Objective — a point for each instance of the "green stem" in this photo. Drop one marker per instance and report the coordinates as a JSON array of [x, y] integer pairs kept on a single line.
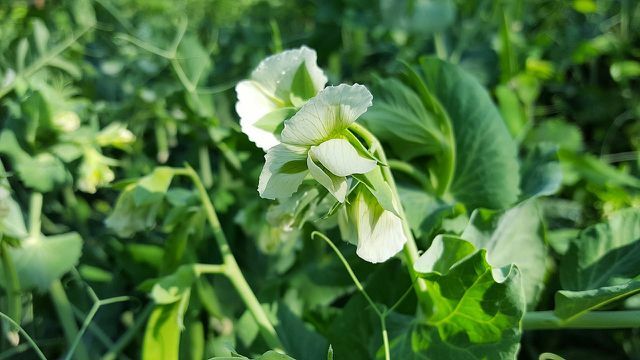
[[441, 49], [35, 213], [67, 320], [410, 248], [546, 320], [12, 283], [26, 336], [129, 335], [232, 270], [381, 315]]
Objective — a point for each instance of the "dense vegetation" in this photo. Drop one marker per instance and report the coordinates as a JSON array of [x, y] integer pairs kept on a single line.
[[486, 169]]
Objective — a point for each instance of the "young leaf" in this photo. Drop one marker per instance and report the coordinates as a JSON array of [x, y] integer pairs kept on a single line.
[[601, 265], [486, 168], [504, 234], [39, 261], [476, 308]]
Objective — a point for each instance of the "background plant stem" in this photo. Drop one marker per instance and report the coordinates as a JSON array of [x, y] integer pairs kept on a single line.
[[410, 248], [546, 320], [232, 270]]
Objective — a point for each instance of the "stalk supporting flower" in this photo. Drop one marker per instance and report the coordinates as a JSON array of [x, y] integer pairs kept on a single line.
[[277, 87]]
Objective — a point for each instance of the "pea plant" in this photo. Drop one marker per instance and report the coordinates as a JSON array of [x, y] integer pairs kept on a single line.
[[160, 201]]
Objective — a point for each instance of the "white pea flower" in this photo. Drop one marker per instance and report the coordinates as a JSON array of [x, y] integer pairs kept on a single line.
[[379, 233], [279, 85], [315, 141]]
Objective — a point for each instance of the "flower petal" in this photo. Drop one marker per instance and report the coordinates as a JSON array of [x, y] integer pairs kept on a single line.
[[338, 186], [252, 106], [380, 232], [276, 73], [328, 113], [341, 158], [283, 171]]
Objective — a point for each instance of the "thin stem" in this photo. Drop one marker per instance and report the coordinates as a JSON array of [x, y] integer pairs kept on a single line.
[[12, 283], [87, 321], [232, 270], [349, 270], [209, 269], [129, 335], [67, 320], [410, 248], [546, 320], [441, 49], [381, 315], [35, 213], [26, 336]]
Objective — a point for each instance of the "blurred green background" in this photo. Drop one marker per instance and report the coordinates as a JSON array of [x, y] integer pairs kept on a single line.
[[74, 74]]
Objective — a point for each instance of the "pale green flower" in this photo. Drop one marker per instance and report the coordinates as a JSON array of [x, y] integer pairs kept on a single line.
[[315, 141], [116, 135], [94, 171], [378, 233], [279, 85]]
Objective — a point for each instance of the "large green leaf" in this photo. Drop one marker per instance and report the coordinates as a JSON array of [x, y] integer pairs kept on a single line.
[[477, 309], [604, 253], [540, 171], [504, 234], [41, 260], [486, 167], [600, 265]]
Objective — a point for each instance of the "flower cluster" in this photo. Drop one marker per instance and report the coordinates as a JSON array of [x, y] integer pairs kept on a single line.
[[305, 130]]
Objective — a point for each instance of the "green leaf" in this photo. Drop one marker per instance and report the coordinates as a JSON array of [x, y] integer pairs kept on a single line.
[[570, 304], [601, 265], [596, 171], [540, 172], [162, 335], [504, 234], [485, 168], [603, 253], [399, 118], [41, 260], [443, 254], [193, 59], [298, 340], [424, 211], [556, 131], [43, 172], [477, 309]]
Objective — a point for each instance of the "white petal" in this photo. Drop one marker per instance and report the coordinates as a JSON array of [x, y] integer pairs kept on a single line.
[[380, 232], [252, 106], [341, 158], [283, 171], [337, 185], [275, 73], [328, 113]]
